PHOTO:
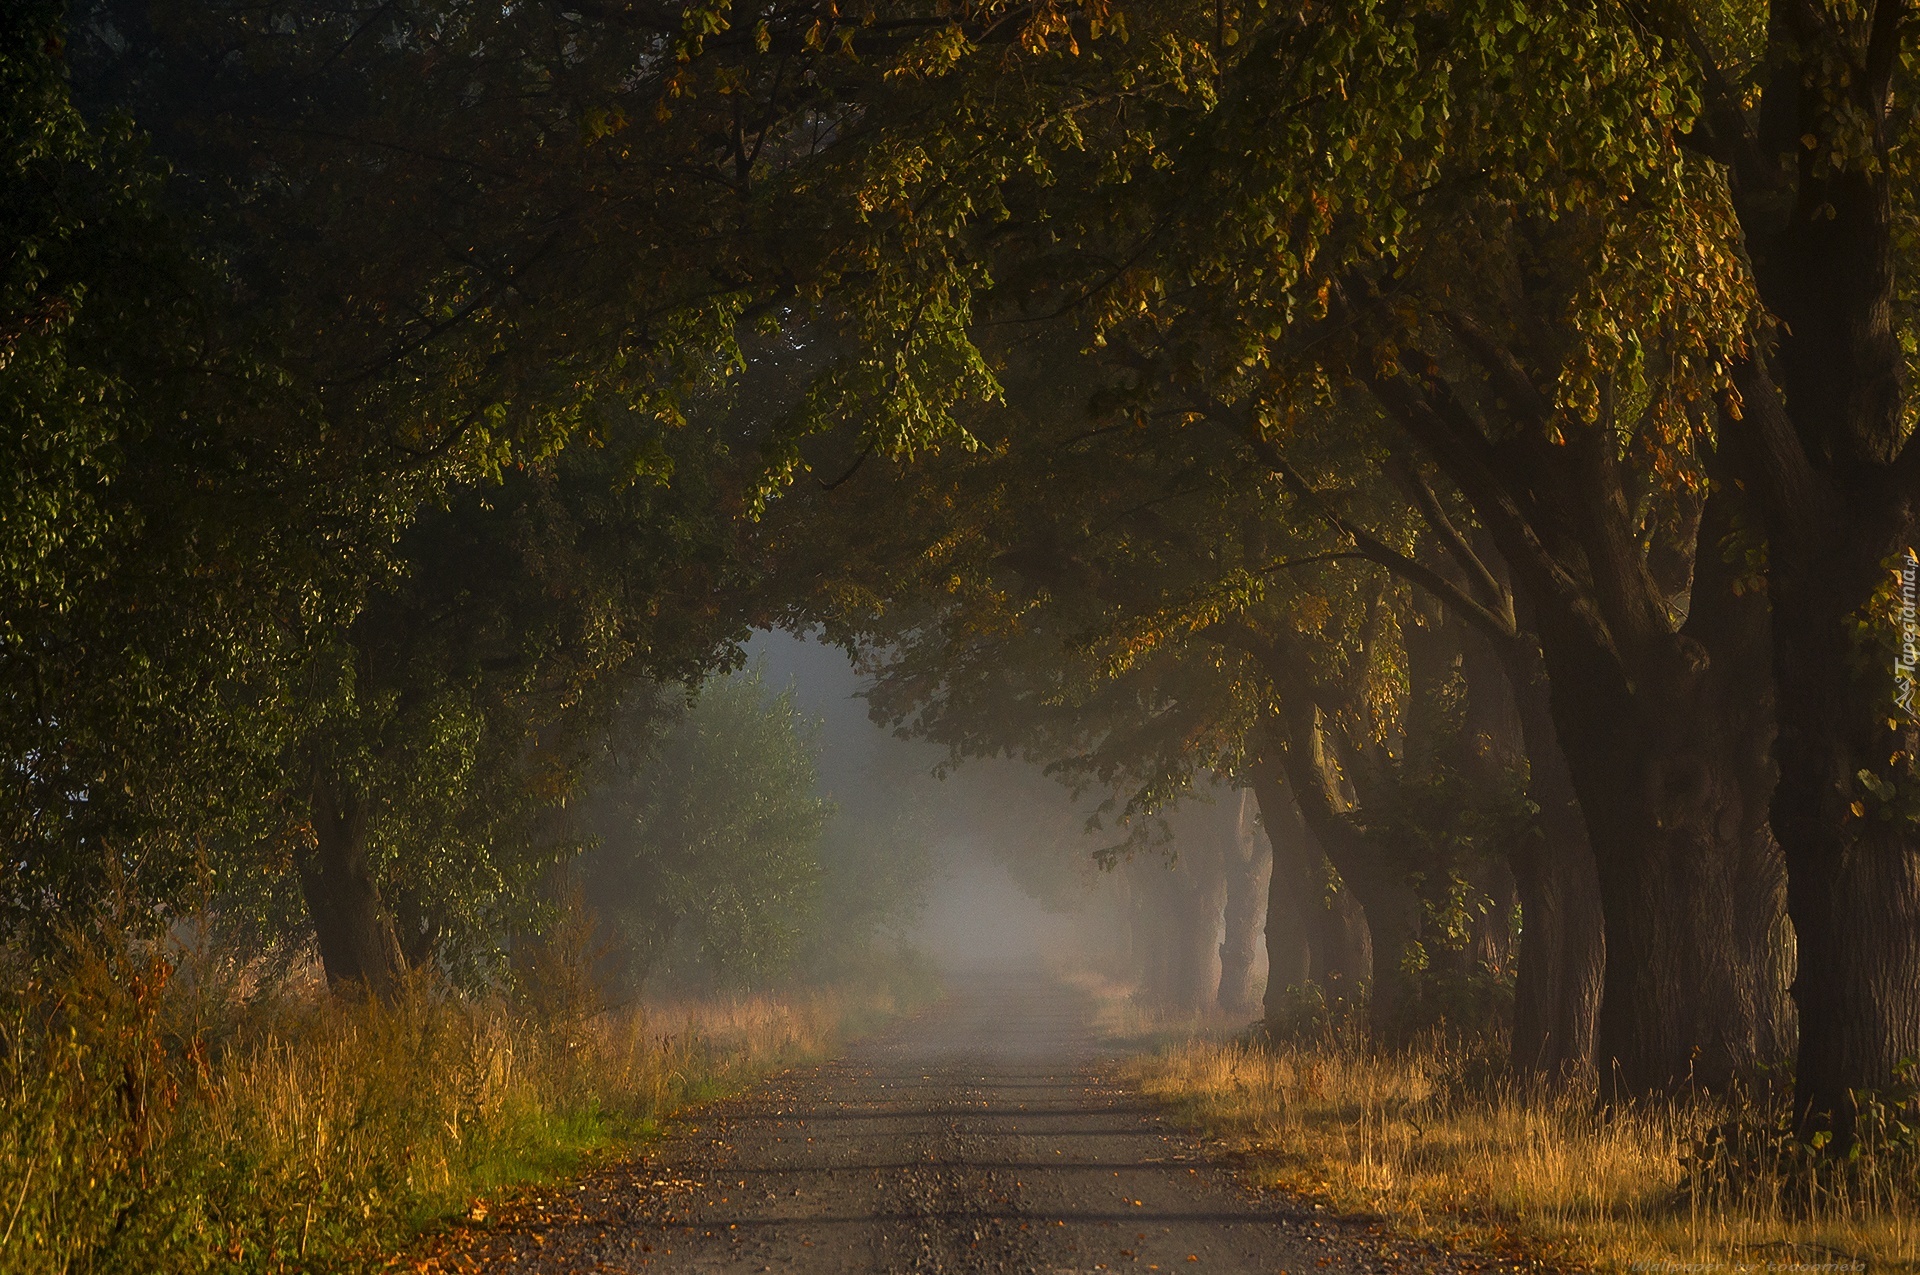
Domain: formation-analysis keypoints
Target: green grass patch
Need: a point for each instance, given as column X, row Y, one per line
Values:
column 153, row 1124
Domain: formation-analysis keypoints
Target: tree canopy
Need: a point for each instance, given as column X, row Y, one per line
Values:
column 1481, row 429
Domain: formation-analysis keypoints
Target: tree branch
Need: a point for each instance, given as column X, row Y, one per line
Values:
column 1500, row 628
column 1796, row 495
column 1500, row 364
column 1490, row 589
column 1726, row 116
column 1288, row 564
column 1883, row 53
column 1462, row 453
column 865, row 453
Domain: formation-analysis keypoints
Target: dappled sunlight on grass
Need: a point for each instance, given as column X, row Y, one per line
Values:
column 1414, row 1135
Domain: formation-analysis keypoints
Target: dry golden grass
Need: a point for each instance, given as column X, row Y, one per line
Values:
column 148, row 1125
column 1418, row 1137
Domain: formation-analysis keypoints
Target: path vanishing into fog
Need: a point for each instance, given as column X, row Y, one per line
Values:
column 986, row 1134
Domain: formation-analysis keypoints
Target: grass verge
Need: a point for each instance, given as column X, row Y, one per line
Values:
column 153, row 1125
column 1433, row 1139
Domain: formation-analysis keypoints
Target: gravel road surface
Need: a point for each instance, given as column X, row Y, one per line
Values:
column 985, row 1134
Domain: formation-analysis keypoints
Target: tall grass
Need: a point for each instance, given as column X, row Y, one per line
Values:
column 1433, row 1138
column 151, row 1122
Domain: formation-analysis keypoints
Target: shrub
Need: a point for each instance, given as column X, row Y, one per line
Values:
column 159, row 1118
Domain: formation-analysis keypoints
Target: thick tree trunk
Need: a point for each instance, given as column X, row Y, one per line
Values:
column 1248, row 867
column 1680, row 997
column 1674, row 775
column 1343, row 945
column 1665, row 733
column 358, row 948
column 1288, row 934
column 1494, row 939
column 1855, row 899
column 1310, row 938
column 1177, row 908
column 1148, row 923
column 1384, row 894
column 1831, row 453
column 1563, row 949
column 1201, row 900
column 1852, row 854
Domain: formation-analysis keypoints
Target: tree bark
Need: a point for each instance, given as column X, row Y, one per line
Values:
column 1384, row 894
column 1248, row 867
column 1148, row 923
column 1677, row 847
column 1850, row 845
column 1828, row 449
column 1665, row 730
column 1200, row 900
column 1310, row 938
column 1291, row 891
column 1562, row 963
column 1177, row 908
column 358, row 948
column 1343, row 945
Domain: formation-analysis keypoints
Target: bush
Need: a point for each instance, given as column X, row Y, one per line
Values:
column 1754, row 1158
column 155, row 1118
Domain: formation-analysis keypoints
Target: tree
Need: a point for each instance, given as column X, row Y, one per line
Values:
column 362, row 424
column 1812, row 137
column 1479, row 221
column 175, row 534
column 482, row 678
column 707, row 856
column 1134, row 609
column 1249, row 873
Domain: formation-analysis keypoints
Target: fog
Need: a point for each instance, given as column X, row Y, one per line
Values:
column 1013, row 878
column 982, row 817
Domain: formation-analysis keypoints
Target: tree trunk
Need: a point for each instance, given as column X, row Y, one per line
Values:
column 1673, row 775
column 1248, row 868
column 1288, row 931
column 1343, row 945
column 1839, row 472
column 1665, row 732
column 1311, row 938
column 358, row 948
column 1177, row 908
column 1199, row 899
column 1148, row 923
column 1562, row 965
column 1855, row 898
column 1853, row 861
column 1382, row 890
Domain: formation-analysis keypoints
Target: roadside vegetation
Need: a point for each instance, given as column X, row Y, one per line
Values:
column 193, row 1102
column 1437, row 1137
column 158, row 1120
column 1471, row 447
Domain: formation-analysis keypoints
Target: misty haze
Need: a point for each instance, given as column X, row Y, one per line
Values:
column 870, row 636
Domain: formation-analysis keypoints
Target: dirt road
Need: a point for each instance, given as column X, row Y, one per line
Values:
column 986, row 1134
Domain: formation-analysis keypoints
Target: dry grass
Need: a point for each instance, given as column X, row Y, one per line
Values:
column 1426, row 1139
column 151, row 1126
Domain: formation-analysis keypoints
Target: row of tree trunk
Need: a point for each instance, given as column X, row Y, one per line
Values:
column 1195, row 916
column 1654, row 948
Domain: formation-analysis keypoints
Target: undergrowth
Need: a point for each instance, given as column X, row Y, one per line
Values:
column 156, row 1119
column 1435, row 1138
